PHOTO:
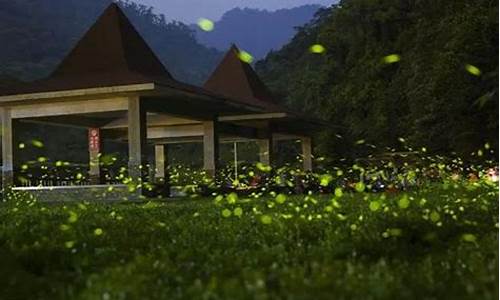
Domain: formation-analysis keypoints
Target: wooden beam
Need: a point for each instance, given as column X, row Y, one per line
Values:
column 194, row 130
column 253, row 117
column 70, row 108
column 210, row 147
column 71, row 121
column 206, row 99
column 241, row 131
column 7, row 149
column 137, row 135
column 79, row 92
column 154, row 120
column 175, row 131
column 285, row 137
column 183, row 140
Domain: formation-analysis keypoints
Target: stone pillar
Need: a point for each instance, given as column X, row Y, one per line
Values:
column 137, row 131
column 266, row 150
column 159, row 163
column 7, row 149
column 307, row 153
column 210, row 147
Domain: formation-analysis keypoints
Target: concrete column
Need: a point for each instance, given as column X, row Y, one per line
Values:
column 137, row 131
column 210, row 147
column 307, row 153
column 266, row 150
column 94, row 170
column 159, row 163
column 7, row 149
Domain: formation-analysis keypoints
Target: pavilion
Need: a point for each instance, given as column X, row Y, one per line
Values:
column 112, row 81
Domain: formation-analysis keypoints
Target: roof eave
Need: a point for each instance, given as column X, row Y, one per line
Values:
column 79, row 92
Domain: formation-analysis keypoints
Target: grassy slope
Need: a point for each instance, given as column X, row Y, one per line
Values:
column 313, row 248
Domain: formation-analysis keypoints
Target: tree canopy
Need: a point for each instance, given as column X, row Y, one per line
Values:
column 425, row 71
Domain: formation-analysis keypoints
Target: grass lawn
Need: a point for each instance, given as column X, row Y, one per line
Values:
column 440, row 242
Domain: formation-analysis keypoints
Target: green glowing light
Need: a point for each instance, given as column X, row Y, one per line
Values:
column 245, row 57
column 263, row 167
column 325, row 179
column 338, row 192
column 238, row 212
column 232, row 198
column 37, row 143
column 226, row 213
column 392, row 58
column 281, row 198
column 206, row 24
column 469, row 237
column 374, row 205
column 473, row 70
column 360, row 187
column 265, row 219
column 73, row 217
column 317, row 49
column 435, row 216
column 404, row 202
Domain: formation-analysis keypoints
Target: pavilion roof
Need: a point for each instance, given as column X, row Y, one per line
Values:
column 111, row 45
column 112, row 53
column 236, row 79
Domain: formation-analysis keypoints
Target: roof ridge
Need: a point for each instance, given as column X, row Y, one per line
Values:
column 112, row 44
column 235, row 78
column 244, row 65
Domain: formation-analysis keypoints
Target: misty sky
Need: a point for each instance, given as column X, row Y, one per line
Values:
column 189, row 11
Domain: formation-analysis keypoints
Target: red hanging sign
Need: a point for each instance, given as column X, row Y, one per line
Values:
column 94, row 140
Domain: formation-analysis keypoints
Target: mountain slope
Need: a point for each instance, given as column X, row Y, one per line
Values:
column 36, row 35
column 257, row 31
column 396, row 69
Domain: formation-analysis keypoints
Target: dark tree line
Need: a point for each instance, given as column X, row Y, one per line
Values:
column 428, row 97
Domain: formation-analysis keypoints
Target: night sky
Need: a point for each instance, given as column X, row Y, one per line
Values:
column 189, row 11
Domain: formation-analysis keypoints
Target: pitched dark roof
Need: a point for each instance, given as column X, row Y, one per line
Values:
column 110, row 53
column 236, row 79
column 112, row 44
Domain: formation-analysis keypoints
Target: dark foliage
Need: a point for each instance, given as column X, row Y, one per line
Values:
column 428, row 96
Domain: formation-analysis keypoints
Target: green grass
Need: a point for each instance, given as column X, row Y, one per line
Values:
column 357, row 246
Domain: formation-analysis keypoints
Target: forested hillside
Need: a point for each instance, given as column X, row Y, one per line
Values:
column 257, row 31
column 36, row 35
column 425, row 71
